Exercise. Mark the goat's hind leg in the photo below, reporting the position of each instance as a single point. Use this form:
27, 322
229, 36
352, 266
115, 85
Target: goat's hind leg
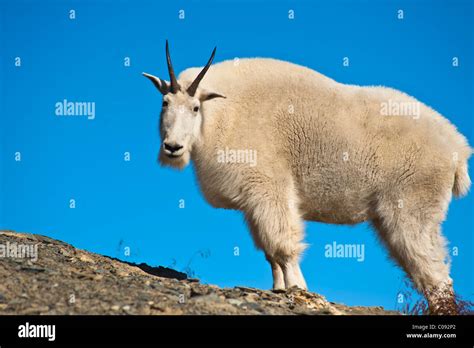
414, 240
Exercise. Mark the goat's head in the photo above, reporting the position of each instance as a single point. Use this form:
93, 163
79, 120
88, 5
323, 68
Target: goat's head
181, 118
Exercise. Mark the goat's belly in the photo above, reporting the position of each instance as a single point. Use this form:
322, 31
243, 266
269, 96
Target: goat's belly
336, 217
339, 212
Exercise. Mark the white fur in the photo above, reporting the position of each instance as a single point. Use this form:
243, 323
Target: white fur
325, 153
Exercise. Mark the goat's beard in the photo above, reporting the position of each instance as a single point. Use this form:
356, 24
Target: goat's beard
174, 162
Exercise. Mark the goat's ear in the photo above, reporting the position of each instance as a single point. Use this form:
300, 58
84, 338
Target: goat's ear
208, 95
162, 85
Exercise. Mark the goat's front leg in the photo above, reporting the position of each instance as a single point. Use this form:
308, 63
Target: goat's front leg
292, 273
277, 273
277, 229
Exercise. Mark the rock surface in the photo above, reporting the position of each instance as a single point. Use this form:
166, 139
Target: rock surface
66, 280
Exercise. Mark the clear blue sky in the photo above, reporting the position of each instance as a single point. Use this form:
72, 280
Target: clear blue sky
136, 204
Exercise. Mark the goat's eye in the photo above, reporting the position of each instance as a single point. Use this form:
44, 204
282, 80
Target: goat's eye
165, 103
196, 109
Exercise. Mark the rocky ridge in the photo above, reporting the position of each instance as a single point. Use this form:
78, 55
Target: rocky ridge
66, 280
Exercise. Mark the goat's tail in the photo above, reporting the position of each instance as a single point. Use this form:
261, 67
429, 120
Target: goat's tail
462, 182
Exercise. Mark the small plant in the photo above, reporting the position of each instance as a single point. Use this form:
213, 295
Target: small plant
447, 303
203, 253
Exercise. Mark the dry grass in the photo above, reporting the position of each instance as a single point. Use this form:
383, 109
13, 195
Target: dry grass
447, 303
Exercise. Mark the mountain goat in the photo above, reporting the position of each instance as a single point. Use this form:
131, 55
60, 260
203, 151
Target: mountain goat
324, 151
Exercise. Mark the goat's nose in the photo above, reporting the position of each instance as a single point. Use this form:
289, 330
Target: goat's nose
172, 147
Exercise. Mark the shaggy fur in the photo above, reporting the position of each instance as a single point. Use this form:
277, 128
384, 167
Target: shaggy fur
325, 153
